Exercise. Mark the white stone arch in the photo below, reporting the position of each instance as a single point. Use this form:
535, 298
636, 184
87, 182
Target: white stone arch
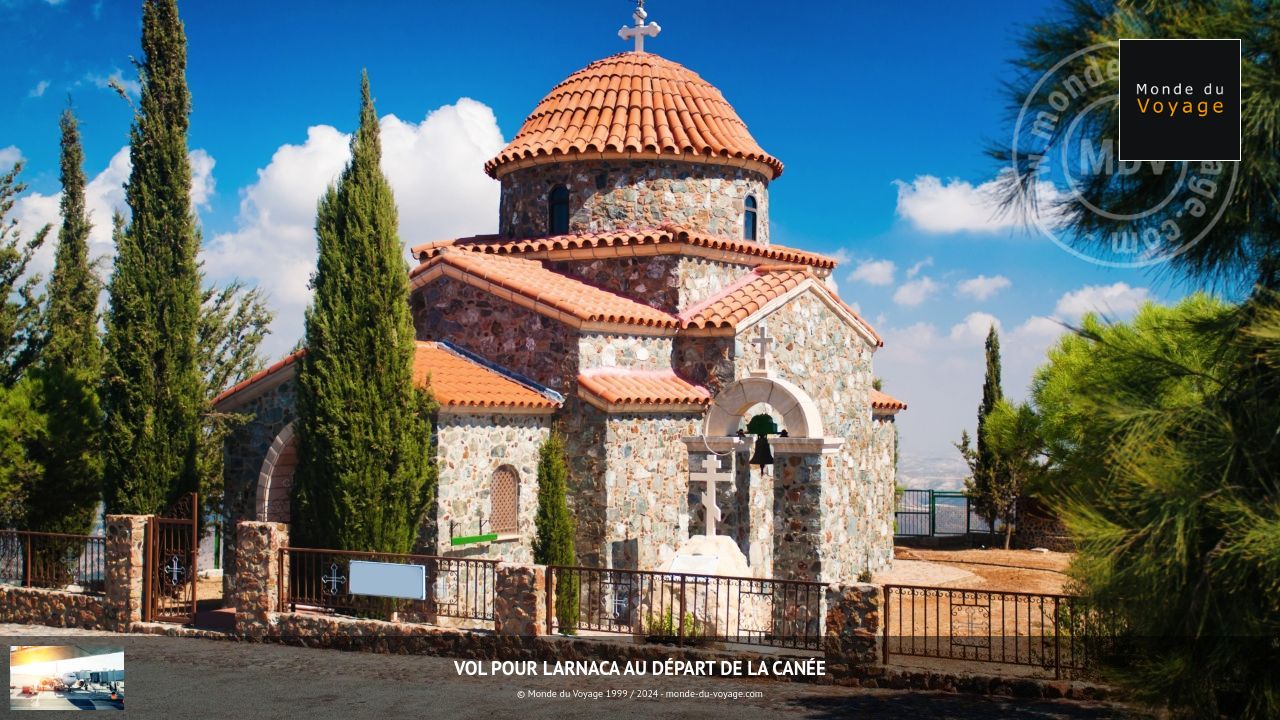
800, 416
267, 475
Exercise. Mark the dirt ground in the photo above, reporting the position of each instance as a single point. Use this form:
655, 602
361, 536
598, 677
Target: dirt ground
982, 569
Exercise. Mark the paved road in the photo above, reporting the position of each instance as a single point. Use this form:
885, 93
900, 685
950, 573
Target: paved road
183, 678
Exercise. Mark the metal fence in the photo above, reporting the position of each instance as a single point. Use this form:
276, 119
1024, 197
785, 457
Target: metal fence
1052, 632
688, 609
319, 580
76, 563
927, 513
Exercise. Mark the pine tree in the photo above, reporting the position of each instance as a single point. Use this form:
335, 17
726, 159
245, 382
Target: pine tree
984, 483
20, 316
365, 477
152, 390
553, 543
65, 492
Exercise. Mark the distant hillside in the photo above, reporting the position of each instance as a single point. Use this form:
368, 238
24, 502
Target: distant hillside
932, 473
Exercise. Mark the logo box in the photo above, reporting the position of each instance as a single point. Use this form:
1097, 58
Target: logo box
1179, 100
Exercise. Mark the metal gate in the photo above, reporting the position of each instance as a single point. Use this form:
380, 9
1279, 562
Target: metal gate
169, 585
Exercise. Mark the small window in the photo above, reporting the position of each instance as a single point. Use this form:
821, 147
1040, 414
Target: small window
504, 508
749, 218
558, 211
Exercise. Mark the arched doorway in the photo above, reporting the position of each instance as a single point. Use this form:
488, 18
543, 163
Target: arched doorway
275, 479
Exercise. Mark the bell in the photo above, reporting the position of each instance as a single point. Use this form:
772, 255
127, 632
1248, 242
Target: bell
762, 455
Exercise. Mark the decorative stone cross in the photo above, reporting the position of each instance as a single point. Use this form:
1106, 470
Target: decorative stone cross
710, 477
174, 570
641, 30
763, 344
333, 579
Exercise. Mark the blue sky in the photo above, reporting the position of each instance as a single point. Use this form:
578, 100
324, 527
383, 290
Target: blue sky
881, 113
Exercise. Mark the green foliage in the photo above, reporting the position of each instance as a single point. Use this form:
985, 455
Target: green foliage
554, 528
64, 494
365, 475
666, 628
21, 331
1244, 245
21, 425
987, 484
153, 390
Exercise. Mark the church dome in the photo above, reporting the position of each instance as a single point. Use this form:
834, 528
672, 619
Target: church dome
634, 105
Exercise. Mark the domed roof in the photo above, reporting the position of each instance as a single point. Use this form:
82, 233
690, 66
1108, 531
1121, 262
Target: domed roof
634, 104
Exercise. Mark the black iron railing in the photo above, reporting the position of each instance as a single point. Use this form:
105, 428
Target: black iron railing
319, 580
688, 609
1057, 633
76, 563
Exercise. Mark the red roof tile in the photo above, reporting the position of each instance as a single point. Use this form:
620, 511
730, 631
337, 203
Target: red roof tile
670, 239
885, 401
455, 381
545, 291
638, 104
620, 389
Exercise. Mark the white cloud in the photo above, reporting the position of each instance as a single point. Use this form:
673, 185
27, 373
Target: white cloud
983, 287
874, 272
435, 168
915, 269
104, 195
38, 90
9, 156
915, 292
955, 205
974, 327
1107, 300
104, 82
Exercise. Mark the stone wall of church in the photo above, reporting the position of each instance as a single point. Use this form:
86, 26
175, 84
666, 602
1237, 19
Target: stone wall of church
471, 449
635, 352
646, 480
705, 360
608, 195
243, 452
651, 280
816, 350
700, 278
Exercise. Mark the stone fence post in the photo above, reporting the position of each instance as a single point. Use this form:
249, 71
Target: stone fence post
256, 592
124, 551
853, 625
520, 599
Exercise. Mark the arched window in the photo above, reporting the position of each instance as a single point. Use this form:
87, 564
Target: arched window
749, 218
504, 497
558, 211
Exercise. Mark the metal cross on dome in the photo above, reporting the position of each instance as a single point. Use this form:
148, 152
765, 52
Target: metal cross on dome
641, 30
333, 579
174, 571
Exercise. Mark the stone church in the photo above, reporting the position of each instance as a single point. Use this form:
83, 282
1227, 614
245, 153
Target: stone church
633, 299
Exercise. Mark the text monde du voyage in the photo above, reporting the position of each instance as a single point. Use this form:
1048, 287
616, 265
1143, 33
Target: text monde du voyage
810, 667
1179, 100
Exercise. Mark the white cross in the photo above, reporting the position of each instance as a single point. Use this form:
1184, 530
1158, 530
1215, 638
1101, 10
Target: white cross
333, 579
174, 570
710, 477
763, 344
641, 30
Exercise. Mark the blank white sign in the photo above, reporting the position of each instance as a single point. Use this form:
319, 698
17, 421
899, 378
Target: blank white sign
394, 580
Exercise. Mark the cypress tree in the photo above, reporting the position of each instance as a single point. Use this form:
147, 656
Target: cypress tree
985, 464
64, 494
365, 477
553, 542
152, 390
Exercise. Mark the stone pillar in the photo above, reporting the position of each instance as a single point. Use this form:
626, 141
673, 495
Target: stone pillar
797, 517
853, 624
124, 560
256, 591
520, 599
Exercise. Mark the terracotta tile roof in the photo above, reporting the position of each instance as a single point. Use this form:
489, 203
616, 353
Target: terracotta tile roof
460, 382
551, 293
620, 389
750, 293
637, 104
670, 239
457, 380
885, 401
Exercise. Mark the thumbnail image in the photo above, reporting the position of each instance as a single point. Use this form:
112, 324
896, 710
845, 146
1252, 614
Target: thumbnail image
66, 677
